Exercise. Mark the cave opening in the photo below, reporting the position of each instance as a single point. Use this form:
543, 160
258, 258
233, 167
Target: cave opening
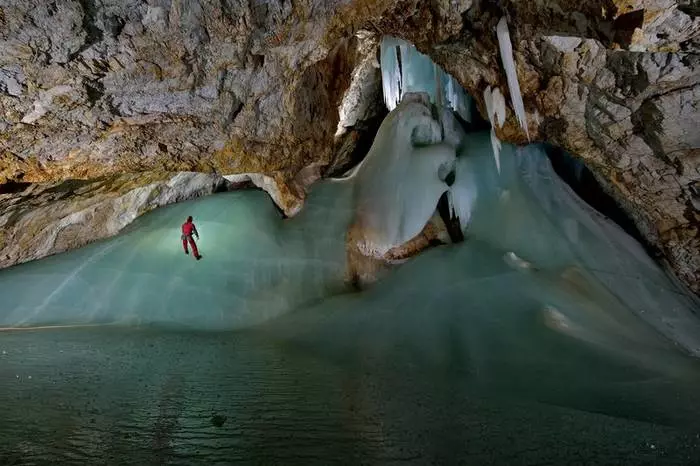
583, 181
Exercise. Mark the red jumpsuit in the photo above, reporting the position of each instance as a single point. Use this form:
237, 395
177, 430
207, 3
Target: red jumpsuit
188, 229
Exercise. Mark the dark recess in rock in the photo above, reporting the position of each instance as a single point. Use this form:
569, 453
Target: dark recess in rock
689, 7
93, 33
647, 122
235, 110
625, 25
94, 91
12, 187
451, 221
580, 178
361, 137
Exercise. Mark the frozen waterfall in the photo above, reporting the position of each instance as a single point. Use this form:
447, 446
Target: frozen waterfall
399, 182
406, 70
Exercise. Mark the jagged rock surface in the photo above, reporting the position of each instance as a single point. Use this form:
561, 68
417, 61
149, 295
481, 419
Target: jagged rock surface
90, 88
619, 91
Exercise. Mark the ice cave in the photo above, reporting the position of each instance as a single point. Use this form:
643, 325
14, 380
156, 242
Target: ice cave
530, 329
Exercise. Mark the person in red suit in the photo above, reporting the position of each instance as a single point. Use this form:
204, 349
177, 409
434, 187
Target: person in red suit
188, 229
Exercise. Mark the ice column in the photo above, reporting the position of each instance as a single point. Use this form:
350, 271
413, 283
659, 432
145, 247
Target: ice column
405, 69
496, 110
399, 182
391, 72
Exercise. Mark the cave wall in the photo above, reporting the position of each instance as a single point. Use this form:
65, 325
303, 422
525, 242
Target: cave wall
91, 88
621, 94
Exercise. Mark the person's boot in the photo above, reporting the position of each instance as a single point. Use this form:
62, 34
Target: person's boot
187, 252
199, 257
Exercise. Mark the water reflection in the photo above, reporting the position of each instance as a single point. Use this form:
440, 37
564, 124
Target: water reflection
114, 396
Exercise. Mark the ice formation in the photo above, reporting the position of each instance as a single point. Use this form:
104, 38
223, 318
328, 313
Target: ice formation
257, 266
545, 299
496, 110
406, 70
390, 54
399, 183
516, 97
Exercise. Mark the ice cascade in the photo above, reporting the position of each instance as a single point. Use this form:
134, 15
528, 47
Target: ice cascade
402, 178
405, 70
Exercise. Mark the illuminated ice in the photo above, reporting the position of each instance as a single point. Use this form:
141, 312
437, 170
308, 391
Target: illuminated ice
255, 266
597, 287
399, 183
406, 70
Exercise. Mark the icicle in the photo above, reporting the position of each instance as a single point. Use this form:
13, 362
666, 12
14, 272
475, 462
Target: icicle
439, 100
405, 69
463, 193
391, 73
509, 64
496, 110
458, 100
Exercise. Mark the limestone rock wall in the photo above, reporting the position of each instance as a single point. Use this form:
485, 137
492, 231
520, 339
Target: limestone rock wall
92, 87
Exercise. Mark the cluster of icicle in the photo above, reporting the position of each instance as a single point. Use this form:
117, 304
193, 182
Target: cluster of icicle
495, 102
400, 182
406, 70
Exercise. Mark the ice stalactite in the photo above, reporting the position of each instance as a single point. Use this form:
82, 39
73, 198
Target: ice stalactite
463, 193
458, 98
516, 97
496, 110
391, 72
406, 70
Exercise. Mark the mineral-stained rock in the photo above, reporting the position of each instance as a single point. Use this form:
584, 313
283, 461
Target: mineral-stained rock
91, 88
630, 117
290, 203
50, 218
364, 269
